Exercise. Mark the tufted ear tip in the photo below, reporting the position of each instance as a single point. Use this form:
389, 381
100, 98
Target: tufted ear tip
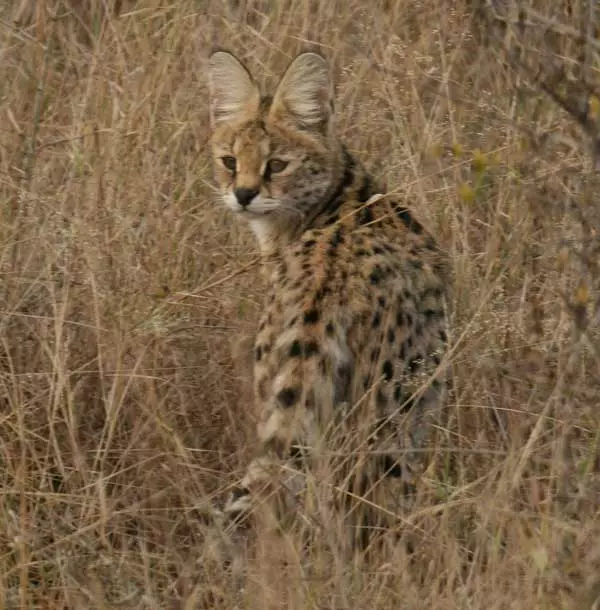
217, 49
310, 58
305, 94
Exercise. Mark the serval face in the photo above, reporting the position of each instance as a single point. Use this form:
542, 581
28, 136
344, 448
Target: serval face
275, 158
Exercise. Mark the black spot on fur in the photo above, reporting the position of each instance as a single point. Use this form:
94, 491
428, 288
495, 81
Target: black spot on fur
391, 335
388, 370
238, 492
375, 354
414, 365
309, 244
407, 406
411, 223
365, 216
443, 336
375, 275
336, 200
288, 397
365, 190
295, 349
433, 314
337, 239
397, 392
391, 467
330, 329
258, 353
311, 316
376, 320
381, 300
342, 381
378, 250
322, 292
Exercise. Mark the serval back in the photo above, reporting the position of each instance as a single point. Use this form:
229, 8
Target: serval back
348, 355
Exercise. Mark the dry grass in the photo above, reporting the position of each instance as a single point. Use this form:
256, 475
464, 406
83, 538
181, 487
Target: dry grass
123, 284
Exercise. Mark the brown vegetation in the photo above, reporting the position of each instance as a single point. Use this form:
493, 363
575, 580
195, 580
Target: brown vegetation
125, 288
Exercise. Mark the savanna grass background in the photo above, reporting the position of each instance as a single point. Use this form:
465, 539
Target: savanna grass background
127, 292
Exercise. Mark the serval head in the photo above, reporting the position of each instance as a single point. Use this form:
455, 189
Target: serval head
277, 158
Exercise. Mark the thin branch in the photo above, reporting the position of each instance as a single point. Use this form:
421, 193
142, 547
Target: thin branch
532, 18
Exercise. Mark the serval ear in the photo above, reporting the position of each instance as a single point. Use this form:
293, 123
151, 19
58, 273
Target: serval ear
304, 96
233, 93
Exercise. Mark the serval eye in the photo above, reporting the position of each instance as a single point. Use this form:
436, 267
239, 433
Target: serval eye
229, 162
274, 166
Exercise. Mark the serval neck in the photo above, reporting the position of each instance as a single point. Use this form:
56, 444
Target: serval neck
353, 184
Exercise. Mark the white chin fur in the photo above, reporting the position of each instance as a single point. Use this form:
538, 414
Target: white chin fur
262, 229
231, 202
257, 216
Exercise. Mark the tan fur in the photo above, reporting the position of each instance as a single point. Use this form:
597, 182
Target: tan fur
349, 348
